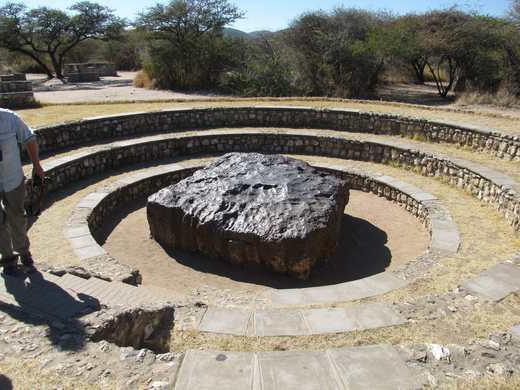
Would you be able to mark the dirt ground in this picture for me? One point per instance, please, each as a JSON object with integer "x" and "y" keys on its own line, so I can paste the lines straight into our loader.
{"x": 108, "y": 89}
{"x": 121, "y": 89}
{"x": 385, "y": 237}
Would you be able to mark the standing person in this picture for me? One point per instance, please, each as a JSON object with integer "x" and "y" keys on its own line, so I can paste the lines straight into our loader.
{"x": 14, "y": 242}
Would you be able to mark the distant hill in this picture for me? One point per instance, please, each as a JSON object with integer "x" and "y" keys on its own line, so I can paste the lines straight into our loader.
{"x": 234, "y": 33}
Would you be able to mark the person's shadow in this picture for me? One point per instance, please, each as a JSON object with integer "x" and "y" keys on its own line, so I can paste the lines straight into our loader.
{"x": 38, "y": 301}
{"x": 5, "y": 383}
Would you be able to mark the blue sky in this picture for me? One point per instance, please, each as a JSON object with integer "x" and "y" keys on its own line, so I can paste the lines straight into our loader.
{"x": 277, "y": 14}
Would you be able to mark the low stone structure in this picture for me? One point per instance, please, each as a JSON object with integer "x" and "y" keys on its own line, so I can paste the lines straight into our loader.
{"x": 253, "y": 209}
{"x": 102, "y": 69}
{"x": 84, "y": 77}
{"x": 15, "y": 91}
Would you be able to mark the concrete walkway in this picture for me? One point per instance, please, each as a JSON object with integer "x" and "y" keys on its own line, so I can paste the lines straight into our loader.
{"x": 370, "y": 367}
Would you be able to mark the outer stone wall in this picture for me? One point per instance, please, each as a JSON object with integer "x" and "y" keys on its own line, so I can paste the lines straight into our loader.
{"x": 96, "y": 129}
{"x": 482, "y": 185}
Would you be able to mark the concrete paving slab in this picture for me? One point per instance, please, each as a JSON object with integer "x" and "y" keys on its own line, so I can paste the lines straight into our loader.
{"x": 203, "y": 370}
{"x": 89, "y": 251}
{"x": 381, "y": 283}
{"x": 516, "y": 330}
{"x": 287, "y": 297}
{"x": 505, "y": 272}
{"x": 488, "y": 288}
{"x": 296, "y": 371}
{"x": 495, "y": 283}
{"x": 76, "y": 231}
{"x": 372, "y": 367}
{"x": 226, "y": 321}
{"x": 322, "y": 321}
{"x": 375, "y": 315}
{"x": 343, "y": 292}
{"x": 279, "y": 323}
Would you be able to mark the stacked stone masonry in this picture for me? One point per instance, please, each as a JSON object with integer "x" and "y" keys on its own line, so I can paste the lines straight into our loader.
{"x": 15, "y": 91}
{"x": 496, "y": 191}
{"x": 96, "y": 129}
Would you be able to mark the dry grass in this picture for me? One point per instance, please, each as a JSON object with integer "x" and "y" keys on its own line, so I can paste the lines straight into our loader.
{"x": 142, "y": 80}
{"x": 502, "y": 99}
{"x": 61, "y": 113}
{"x": 494, "y": 382}
{"x": 28, "y": 375}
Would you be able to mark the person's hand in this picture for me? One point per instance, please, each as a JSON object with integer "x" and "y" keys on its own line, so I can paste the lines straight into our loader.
{"x": 38, "y": 171}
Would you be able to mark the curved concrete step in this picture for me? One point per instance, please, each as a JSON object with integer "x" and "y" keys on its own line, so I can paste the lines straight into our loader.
{"x": 294, "y": 322}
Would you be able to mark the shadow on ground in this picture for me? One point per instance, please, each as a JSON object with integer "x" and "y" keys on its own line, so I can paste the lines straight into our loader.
{"x": 5, "y": 383}
{"x": 39, "y": 301}
{"x": 362, "y": 252}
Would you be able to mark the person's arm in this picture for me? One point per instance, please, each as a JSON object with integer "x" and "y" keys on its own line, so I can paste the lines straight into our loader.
{"x": 32, "y": 150}
{"x": 27, "y": 137}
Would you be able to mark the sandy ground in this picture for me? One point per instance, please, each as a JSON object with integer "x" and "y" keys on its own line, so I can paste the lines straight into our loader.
{"x": 385, "y": 238}
{"x": 108, "y": 89}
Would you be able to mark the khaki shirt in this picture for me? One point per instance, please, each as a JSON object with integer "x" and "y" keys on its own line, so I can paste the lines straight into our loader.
{"x": 13, "y": 132}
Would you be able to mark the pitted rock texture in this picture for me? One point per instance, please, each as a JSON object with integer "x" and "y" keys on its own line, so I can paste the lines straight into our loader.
{"x": 249, "y": 208}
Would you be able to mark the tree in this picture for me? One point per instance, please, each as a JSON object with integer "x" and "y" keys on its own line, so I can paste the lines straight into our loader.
{"x": 308, "y": 37}
{"x": 263, "y": 70}
{"x": 514, "y": 13}
{"x": 47, "y": 35}
{"x": 185, "y": 39}
{"x": 337, "y": 53}
{"x": 402, "y": 43}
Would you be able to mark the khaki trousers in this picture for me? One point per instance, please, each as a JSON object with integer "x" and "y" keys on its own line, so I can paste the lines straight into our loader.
{"x": 13, "y": 222}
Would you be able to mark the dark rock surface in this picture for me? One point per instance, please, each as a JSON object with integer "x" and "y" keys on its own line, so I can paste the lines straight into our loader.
{"x": 249, "y": 208}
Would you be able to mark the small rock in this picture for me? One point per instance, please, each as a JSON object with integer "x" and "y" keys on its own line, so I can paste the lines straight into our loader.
{"x": 159, "y": 385}
{"x": 490, "y": 344}
{"x": 497, "y": 369}
{"x": 432, "y": 380}
{"x": 439, "y": 352}
{"x": 127, "y": 352}
{"x": 141, "y": 355}
{"x": 470, "y": 298}
{"x": 166, "y": 357}
{"x": 104, "y": 346}
{"x": 457, "y": 352}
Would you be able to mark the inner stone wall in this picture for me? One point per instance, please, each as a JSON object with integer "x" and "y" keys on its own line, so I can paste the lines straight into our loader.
{"x": 96, "y": 129}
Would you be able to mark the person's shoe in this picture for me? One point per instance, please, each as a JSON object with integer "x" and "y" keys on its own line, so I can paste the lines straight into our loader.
{"x": 28, "y": 262}
{"x": 27, "y": 259}
{"x": 10, "y": 265}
